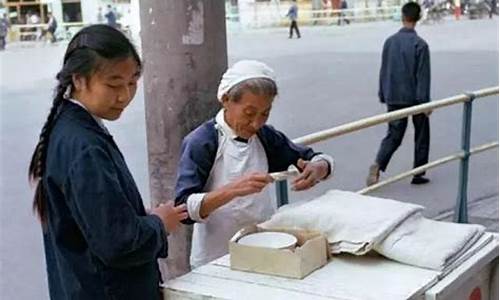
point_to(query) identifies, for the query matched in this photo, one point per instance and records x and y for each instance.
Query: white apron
(233, 160)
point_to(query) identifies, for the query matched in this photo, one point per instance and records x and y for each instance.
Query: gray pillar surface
(185, 54)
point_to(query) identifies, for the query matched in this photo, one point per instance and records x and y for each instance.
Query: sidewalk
(483, 211)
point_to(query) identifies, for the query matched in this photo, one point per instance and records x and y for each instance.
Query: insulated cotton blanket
(352, 223)
(357, 224)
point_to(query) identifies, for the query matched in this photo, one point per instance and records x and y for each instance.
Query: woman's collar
(96, 118)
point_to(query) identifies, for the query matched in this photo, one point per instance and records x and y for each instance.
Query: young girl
(99, 241)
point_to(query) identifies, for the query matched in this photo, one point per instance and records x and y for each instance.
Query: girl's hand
(170, 215)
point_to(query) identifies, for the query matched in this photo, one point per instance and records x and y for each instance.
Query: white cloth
(233, 160)
(329, 160)
(352, 222)
(429, 244)
(356, 224)
(241, 71)
(465, 254)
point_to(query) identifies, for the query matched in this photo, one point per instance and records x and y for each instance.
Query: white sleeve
(328, 159)
(193, 204)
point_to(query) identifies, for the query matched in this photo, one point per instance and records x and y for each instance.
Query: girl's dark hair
(87, 51)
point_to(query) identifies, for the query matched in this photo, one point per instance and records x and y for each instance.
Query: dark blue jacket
(200, 147)
(111, 17)
(405, 74)
(99, 241)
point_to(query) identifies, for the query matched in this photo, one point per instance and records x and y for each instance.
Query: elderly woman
(223, 173)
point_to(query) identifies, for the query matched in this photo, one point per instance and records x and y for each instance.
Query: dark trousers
(2, 42)
(293, 25)
(52, 34)
(343, 18)
(395, 134)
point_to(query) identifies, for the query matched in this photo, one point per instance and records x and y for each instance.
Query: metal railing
(65, 30)
(467, 99)
(264, 16)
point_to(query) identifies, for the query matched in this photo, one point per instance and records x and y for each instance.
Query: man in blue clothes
(111, 17)
(4, 30)
(405, 77)
(223, 174)
(293, 13)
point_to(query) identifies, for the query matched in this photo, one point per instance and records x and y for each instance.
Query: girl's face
(247, 115)
(107, 92)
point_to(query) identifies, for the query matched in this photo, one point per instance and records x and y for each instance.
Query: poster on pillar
(194, 27)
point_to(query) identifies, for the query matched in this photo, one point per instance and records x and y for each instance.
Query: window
(72, 11)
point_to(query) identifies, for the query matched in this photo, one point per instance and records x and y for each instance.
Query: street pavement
(327, 78)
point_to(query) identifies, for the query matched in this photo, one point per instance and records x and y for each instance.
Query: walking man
(342, 16)
(4, 30)
(51, 28)
(293, 12)
(405, 77)
(493, 8)
(111, 17)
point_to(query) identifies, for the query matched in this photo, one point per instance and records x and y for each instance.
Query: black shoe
(419, 180)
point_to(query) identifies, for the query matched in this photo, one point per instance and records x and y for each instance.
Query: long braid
(37, 164)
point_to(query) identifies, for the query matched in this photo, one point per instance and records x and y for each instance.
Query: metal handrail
(466, 98)
(386, 117)
(428, 166)
(309, 12)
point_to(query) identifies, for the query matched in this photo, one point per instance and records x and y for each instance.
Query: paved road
(327, 78)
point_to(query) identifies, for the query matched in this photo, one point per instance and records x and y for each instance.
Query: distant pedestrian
(4, 30)
(292, 14)
(493, 8)
(457, 10)
(342, 16)
(426, 5)
(51, 28)
(32, 19)
(111, 17)
(405, 77)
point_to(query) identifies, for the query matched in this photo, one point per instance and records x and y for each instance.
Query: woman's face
(107, 92)
(247, 115)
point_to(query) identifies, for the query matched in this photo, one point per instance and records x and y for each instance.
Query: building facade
(73, 12)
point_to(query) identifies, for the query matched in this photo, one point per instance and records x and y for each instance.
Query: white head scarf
(241, 71)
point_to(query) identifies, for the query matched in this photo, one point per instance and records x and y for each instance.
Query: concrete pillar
(185, 54)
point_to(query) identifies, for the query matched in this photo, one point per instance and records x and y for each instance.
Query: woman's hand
(243, 186)
(249, 184)
(312, 173)
(170, 215)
